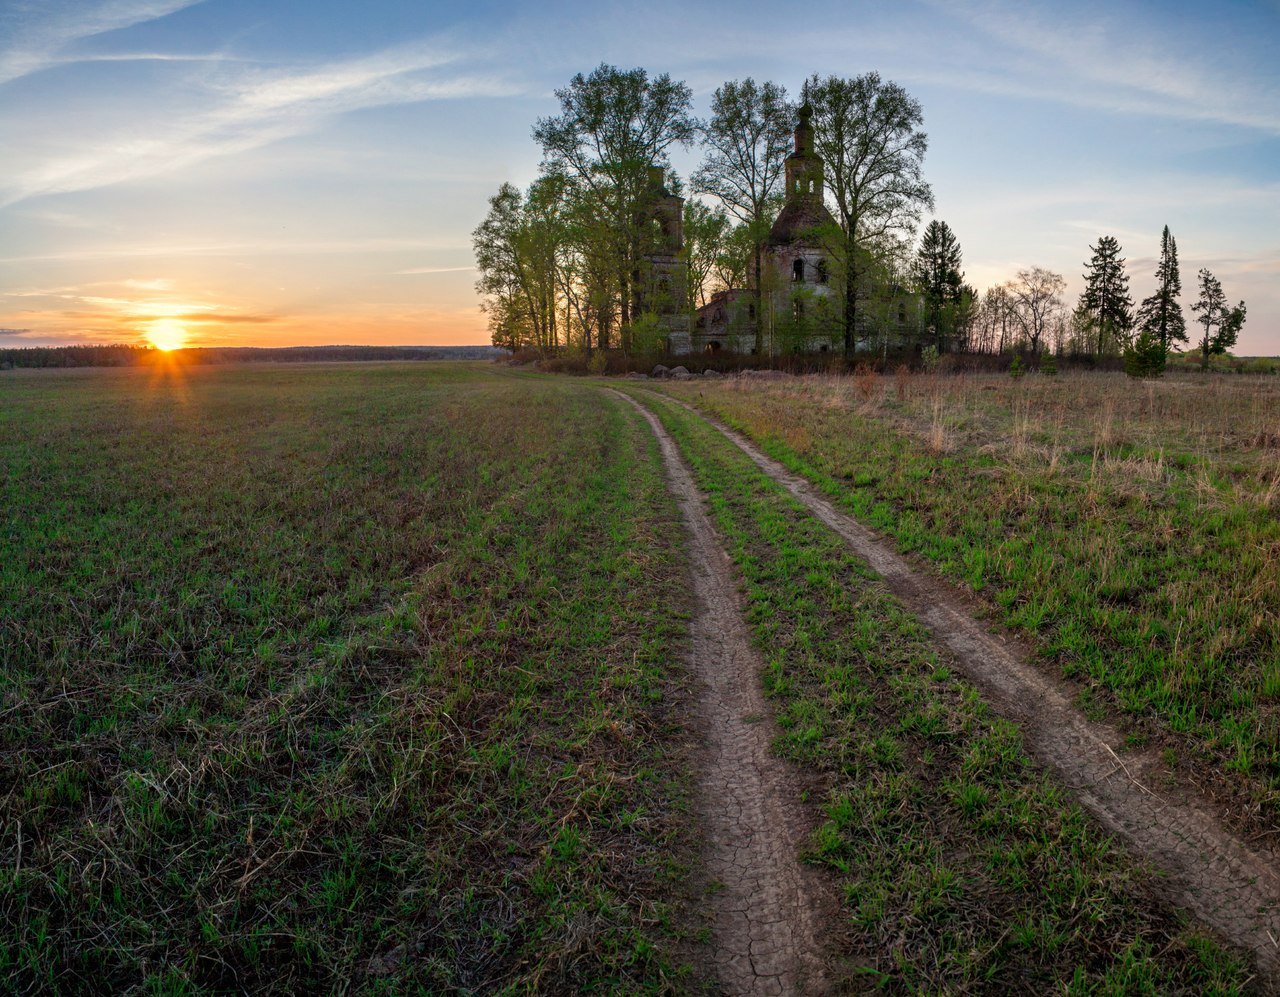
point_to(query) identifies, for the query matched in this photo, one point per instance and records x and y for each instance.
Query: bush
(1048, 365)
(1145, 357)
(1016, 370)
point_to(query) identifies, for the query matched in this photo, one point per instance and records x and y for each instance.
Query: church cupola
(804, 166)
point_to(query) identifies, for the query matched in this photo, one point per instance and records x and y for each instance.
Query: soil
(1230, 885)
(772, 917)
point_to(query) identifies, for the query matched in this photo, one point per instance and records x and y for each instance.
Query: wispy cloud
(1112, 65)
(253, 108)
(429, 270)
(265, 247)
(39, 35)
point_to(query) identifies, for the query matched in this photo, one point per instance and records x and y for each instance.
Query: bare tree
(1038, 296)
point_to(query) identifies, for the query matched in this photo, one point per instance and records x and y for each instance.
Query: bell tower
(804, 166)
(664, 289)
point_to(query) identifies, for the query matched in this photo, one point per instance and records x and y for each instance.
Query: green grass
(328, 676)
(1131, 532)
(962, 866)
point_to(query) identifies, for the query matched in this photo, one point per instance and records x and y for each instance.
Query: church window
(797, 270)
(822, 271)
(798, 309)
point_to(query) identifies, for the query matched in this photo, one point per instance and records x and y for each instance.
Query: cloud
(430, 270)
(1145, 74)
(14, 332)
(254, 108)
(37, 42)
(267, 247)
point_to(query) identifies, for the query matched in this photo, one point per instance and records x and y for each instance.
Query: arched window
(751, 311)
(719, 316)
(822, 271)
(798, 309)
(797, 271)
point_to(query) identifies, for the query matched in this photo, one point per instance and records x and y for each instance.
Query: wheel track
(1224, 882)
(769, 931)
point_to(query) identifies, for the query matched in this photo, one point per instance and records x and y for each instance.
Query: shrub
(1048, 365)
(1145, 357)
(1016, 370)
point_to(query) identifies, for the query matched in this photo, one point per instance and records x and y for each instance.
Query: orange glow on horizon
(165, 334)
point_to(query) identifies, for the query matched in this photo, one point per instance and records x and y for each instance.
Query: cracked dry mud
(1226, 883)
(767, 935)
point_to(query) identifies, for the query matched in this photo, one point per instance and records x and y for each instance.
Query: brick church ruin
(800, 311)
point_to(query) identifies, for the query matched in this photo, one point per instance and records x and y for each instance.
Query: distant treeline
(126, 356)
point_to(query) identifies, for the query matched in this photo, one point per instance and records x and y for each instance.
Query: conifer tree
(1160, 316)
(1221, 324)
(941, 281)
(1106, 301)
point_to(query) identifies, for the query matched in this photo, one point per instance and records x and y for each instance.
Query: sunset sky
(310, 172)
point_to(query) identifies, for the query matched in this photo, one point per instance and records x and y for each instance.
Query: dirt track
(768, 931)
(1227, 884)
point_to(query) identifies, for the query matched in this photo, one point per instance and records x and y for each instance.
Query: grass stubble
(337, 677)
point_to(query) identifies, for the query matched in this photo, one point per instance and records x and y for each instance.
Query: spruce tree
(1160, 315)
(938, 273)
(1106, 299)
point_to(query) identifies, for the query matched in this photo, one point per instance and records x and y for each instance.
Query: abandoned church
(799, 311)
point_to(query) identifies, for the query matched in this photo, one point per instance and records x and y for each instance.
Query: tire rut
(1224, 882)
(768, 932)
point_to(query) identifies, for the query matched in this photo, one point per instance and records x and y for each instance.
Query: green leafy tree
(940, 279)
(516, 248)
(1106, 301)
(868, 132)
(612, 126)
(1221, 325)
(1160, 315)
(746, 139)
(706, 235)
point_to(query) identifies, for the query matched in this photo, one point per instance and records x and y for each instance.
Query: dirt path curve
(768, 933)
(1227, 884)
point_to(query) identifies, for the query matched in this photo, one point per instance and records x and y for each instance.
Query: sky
(245, 173)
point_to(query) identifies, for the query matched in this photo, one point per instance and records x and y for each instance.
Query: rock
(675, 371)
(660, 371)
(635, 375)
(711, 373)
(681, 375)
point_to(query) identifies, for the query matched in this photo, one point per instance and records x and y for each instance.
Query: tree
(1221, 324)
(1106, 299)
(747, 138)
(938, 274)
(706, 234)
(1145, 357)
(868, 132)
(1160, 315)
(1037, 296)
(516, 247)
(613, 125)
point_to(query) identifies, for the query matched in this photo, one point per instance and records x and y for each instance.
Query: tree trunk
(759, 299)
(850, 296)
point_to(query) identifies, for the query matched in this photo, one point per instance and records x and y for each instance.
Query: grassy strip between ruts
(1141, 570)
(963, 866)
(342, 676)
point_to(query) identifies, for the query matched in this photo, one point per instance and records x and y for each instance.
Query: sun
(167, 334)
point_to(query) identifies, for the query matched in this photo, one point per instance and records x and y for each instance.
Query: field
(387, 677)
(1129, 529)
